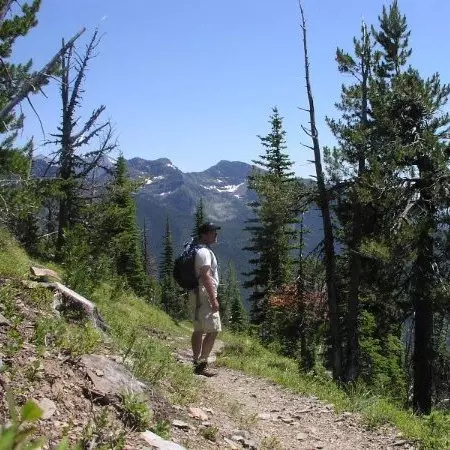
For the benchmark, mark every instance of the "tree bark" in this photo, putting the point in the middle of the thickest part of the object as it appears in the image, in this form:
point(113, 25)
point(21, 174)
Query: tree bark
point(323, 203)
point(422, 303)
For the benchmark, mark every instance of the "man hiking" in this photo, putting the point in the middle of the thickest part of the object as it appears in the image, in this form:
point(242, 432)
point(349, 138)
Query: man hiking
point(203, 300)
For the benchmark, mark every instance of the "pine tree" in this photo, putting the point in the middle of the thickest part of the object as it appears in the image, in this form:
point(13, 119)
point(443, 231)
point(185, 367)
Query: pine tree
point(393, 38)
point(199, 217)
point(17, 203)
point(411, 162)
point(223, 296)
point(237, 315)
point(171, 297)
point(348, 162)
point(167, 256)
point(12, 76)
point(271, 230)
point(120, 230)
point(150, 266)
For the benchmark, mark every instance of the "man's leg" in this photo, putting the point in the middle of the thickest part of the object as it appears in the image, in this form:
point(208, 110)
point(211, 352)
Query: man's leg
point(197, 344)
point(207, 346)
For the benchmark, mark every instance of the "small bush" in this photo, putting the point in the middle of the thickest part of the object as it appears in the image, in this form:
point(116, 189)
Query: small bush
point(80, 340)
point(101, 433)
point(438, 436)
point(161, 428)
point(271, 443)
point(134, 412)
point(210, 433)
point(77, 340)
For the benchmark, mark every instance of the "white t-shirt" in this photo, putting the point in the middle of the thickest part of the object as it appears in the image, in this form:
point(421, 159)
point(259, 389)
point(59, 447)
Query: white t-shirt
point(205, 257)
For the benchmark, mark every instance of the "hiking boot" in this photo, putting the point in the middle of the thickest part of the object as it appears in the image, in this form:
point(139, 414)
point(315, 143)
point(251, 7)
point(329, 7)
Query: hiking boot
point(201, 368)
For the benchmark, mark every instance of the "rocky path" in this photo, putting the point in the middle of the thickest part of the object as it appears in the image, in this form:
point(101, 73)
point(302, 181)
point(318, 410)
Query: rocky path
point(248, 412)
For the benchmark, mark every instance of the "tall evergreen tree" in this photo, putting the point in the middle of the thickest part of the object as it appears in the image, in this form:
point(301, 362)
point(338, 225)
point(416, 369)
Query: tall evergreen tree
point(172, 299)
point(416, 123)
point(120, 230)
point(199, 217)
point(393, 37)
point(271, 230)
point(150, 266)
point(16, 201)
point(167, 256)
point(405, 172)
point(236, 313)
point(348, 162)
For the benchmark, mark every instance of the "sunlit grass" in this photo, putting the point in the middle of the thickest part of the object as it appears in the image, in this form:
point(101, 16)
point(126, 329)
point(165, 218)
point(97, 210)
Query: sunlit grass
point(147, 338)
point(14, 261)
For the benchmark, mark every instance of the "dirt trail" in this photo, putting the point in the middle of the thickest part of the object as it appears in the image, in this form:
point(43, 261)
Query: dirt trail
point(250, 412)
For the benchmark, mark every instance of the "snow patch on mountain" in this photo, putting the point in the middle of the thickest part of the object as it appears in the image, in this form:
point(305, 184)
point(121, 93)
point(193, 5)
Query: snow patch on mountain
point(153, 179)
point(228, 188)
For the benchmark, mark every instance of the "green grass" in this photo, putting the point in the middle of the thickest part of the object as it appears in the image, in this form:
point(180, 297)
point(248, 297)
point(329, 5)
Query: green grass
point(14, 261)
point(147, 338)
point(246, 354)
point(144, 335)
point(134, 411)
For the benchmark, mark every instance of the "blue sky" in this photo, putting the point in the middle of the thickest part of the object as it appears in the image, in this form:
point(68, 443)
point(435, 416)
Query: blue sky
point(195, 81)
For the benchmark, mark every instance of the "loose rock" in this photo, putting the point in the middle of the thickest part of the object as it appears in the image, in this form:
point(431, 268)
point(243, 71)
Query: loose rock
point(197, 413)
point(180, 424)
point(48, 407)
point(159, 443)
point(4, 321)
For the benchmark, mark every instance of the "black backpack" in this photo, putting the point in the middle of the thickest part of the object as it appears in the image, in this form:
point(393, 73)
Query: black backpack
point(184, 267)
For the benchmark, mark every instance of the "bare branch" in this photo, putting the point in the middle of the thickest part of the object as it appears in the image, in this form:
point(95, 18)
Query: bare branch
point(307, 146)
point(94, 116)
point(38, 79)
point(307, 132)
point(80, 73)
point(87, 138)
point(37, 115)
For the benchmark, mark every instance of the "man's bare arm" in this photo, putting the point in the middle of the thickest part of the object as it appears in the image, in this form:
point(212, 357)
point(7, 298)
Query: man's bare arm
point(208, 282)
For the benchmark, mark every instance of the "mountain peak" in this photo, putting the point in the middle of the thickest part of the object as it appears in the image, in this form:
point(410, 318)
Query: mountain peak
point(229, 169)
point(156, 166)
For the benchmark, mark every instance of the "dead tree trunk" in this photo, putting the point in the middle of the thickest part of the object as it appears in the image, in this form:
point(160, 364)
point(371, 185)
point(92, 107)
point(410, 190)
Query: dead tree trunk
point(70, 141)
point(323, 203)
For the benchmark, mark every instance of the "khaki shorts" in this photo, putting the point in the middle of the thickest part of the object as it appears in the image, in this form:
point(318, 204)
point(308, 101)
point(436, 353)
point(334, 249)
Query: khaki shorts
point(203, 319)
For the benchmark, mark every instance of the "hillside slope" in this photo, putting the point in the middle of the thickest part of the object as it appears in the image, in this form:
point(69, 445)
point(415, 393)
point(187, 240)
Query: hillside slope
point(105, 389)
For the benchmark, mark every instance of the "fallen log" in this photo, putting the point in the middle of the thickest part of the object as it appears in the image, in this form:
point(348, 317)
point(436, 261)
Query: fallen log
point(44, 274)
point(73, 299)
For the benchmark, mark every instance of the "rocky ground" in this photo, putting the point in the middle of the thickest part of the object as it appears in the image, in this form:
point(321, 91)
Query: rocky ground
point(249, 412)
point(79, 399)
